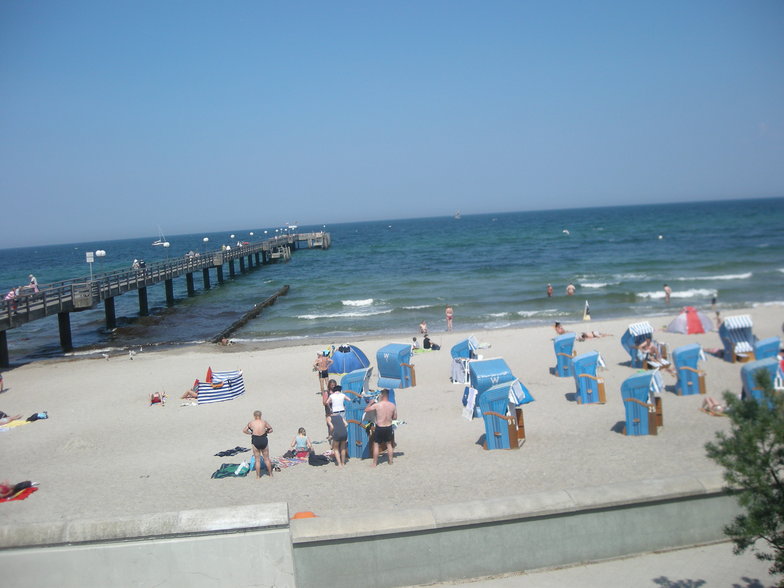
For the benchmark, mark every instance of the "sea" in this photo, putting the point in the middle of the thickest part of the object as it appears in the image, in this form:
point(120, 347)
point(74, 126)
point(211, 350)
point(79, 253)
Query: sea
point(385, 277)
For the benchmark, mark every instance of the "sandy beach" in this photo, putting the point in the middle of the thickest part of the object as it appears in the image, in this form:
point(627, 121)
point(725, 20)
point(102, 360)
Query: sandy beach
point(105, 452)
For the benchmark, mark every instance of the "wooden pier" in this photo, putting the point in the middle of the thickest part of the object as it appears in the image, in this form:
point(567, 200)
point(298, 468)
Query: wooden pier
point(63, 298)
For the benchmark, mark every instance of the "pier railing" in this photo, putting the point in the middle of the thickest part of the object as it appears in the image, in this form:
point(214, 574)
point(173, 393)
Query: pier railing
point(83, 292)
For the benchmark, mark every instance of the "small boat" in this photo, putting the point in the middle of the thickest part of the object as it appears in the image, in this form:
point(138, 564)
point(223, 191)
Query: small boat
point(161, 240)
point(457, 215)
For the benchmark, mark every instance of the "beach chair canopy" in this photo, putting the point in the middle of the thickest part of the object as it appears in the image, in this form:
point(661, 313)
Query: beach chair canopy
point(220, 386)
point(765, 348)
point(690, 322)
point(394, 366)
point(735, 333)
point(465, 349)
point(486, 373)
point(347, 358)
point(633, 336)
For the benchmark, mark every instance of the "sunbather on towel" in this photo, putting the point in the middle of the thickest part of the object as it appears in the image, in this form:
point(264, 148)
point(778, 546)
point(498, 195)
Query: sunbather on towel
point(650, 352)
point(8, 490)
point(592, 335)
point(5, 419)
point(712, 406)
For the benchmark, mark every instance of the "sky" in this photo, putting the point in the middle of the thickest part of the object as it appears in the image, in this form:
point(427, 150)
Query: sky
point(120, 117)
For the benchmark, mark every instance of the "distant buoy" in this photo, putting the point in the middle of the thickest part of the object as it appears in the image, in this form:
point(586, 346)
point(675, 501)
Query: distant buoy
point(661, 237)
point(304, 515)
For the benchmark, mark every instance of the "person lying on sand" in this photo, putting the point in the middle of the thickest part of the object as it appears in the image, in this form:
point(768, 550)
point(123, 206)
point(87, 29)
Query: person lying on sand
point(593, 335)
point(5, 419)
point(193, 392)
point(559, 328)
point(713, 407)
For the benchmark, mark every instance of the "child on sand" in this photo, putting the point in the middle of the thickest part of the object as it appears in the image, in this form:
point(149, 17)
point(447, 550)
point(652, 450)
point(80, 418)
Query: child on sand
point(301, 443)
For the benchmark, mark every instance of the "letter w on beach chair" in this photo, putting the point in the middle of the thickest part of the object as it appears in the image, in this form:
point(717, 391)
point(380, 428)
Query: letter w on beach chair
point(748, 373)
point(394, 366)
point(590, 387)
point(502, 415)
point(640, 411)
point(737, 338)
point(690, 379)
point(564, 352)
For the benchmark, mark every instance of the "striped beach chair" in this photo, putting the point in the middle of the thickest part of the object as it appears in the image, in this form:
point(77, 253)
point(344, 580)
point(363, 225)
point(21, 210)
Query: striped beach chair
point(737, 338)
point(633, 337)
point(221, 386)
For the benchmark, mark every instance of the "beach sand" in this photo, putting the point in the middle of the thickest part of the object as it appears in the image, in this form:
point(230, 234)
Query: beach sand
point(105, 453)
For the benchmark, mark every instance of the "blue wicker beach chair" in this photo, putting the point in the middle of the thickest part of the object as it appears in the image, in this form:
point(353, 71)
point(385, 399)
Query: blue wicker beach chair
point(690, 379)
point(504, 426)
point(462, 354)
point(564, 352)
point(484, 374)
point(394, 366)
point(590, 387)
point(748, 373)
point(640, 411)
point(766, 348)
point(737, 338)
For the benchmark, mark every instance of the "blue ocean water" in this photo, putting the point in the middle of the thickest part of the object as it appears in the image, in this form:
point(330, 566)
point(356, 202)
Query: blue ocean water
point(385, 277)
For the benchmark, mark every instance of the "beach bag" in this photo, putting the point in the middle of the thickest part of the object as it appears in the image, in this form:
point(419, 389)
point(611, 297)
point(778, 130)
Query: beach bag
point(317, 460)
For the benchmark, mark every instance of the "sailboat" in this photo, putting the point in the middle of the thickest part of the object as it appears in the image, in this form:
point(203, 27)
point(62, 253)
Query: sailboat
point(161, 240)
point(457, 215)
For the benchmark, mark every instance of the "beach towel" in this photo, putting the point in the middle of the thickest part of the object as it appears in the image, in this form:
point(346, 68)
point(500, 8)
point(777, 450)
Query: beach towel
point(21, 495)
point(231, 470)
point(230, 452)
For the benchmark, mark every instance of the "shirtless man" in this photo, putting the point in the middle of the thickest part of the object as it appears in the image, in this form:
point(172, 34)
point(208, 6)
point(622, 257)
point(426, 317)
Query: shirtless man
point(667, 293)
point(570, 290)
point(386, 412)
point(321, 365)
point(258, 429)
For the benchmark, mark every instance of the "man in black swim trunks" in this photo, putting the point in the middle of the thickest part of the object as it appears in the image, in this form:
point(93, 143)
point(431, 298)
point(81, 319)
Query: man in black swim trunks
point(386, 412)
point(258, 429)
point(321, 365)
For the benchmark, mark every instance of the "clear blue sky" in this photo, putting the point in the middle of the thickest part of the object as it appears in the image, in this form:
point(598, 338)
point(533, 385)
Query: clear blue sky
point(117, 117)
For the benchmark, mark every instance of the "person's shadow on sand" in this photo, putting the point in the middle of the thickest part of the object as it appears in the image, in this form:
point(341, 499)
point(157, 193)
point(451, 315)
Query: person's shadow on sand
point(619, 427)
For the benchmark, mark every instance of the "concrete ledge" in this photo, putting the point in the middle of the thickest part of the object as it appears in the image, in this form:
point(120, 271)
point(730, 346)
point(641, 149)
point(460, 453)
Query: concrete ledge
point(511, 534)
point(157, 525)
point(508, 508)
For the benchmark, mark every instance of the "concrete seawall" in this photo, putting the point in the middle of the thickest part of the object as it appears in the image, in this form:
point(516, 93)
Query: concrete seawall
point(256, 545)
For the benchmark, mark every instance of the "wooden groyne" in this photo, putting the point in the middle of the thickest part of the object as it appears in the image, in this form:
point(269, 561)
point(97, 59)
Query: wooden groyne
point(79, 294)
point(251, 314)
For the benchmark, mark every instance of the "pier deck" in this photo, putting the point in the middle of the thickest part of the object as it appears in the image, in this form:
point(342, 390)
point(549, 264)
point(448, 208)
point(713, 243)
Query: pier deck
point(62, 298)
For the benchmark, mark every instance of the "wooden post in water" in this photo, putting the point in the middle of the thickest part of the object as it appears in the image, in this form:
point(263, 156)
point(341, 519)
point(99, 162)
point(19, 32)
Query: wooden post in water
point(64, 323)
point(144, 309)
point(108, 310)
point(169, 284)
point(189, 283)
point(205, 274)
point(256, 255)
point(219, 270)
point(242, 265)
point(231, 268)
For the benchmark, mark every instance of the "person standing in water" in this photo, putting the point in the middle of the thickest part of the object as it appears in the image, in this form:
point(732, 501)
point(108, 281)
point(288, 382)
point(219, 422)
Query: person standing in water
point(449, 313)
